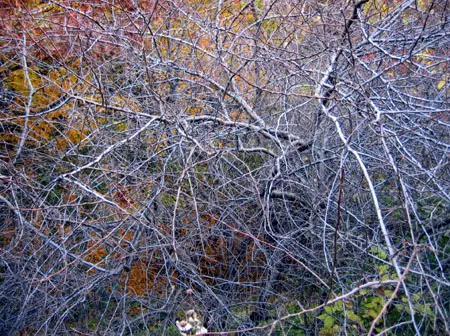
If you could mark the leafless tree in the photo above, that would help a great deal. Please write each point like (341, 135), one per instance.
(279, 166)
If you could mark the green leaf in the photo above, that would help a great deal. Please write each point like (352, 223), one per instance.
(329, 309)
(388, 292)
(378, 252)
(328, 322)
(372, 313)
(353, 317)
(369, 305)
(322, 317)
(382, 269)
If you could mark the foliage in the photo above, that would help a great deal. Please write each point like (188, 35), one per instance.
(286, 162)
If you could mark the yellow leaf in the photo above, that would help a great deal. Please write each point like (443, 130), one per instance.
(74, 136)
(441, 84)
(61, 144)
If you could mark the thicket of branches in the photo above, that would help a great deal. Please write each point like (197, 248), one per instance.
(286, 162)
